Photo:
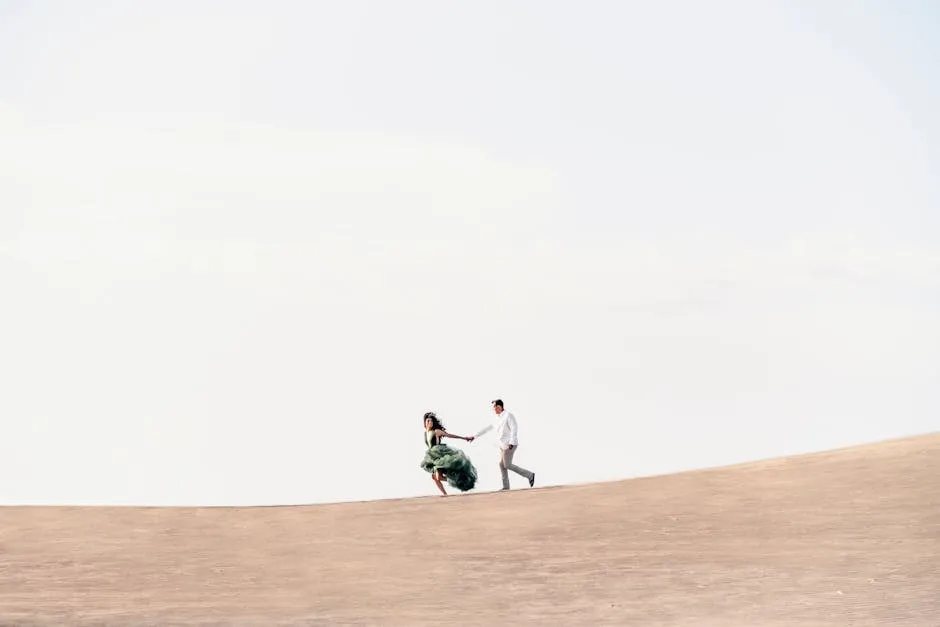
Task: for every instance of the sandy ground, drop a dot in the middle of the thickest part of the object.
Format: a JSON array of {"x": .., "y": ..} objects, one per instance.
[{"x": 848, "y": 537}]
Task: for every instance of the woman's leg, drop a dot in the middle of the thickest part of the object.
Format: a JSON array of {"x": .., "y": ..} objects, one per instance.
[{"x": 436, "y": 475}]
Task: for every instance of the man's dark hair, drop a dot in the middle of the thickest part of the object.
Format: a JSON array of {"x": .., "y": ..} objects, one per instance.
[{"x": 498, "y": 403}]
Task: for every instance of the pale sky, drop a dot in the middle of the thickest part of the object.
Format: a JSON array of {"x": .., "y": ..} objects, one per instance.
[{"x": 244, "y": 246}]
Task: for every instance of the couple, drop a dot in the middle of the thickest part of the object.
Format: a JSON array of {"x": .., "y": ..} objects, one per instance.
[{"x": 453, "y": 465}]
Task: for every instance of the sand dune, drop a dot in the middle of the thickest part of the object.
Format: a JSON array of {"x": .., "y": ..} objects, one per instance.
[{"x": 847, "y": 537}]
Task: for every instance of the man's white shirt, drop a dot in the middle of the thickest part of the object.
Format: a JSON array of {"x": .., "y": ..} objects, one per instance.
[{"x": 507, "y": 431}]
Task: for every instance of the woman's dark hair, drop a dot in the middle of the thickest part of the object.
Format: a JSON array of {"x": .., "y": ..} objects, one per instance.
[{"x": 435, "y": 423}]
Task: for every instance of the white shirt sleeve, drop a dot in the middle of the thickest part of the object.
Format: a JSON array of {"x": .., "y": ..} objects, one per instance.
[
  {"x": 513, "y": 431},
  {"x": 484, "y": 430}
]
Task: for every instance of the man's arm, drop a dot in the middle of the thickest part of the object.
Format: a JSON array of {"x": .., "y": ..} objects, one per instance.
[
  {"x": 484, "y": 430},
  {"x": 513, "y": 430}
]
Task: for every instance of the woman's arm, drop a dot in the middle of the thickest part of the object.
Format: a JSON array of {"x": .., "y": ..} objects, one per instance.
[{"x": 444, "y": 434}]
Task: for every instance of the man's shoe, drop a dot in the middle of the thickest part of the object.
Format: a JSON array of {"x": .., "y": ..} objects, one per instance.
[{"x": 532, "y": 480}]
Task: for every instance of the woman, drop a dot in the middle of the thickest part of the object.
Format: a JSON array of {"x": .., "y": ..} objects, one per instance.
[{"x": 444, "y": 462}]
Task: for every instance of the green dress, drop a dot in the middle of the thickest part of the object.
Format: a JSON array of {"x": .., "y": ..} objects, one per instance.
[{"x": 452, "y": 462}]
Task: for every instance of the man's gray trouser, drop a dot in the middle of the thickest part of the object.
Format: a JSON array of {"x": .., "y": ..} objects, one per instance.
[{"x": 505, "y": 465}]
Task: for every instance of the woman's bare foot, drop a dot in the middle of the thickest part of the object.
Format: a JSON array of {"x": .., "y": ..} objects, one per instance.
[{"x": 436, "y": 477}]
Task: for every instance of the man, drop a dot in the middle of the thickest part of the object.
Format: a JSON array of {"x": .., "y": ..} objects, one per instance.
[{"x": 507, "y": 439}]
